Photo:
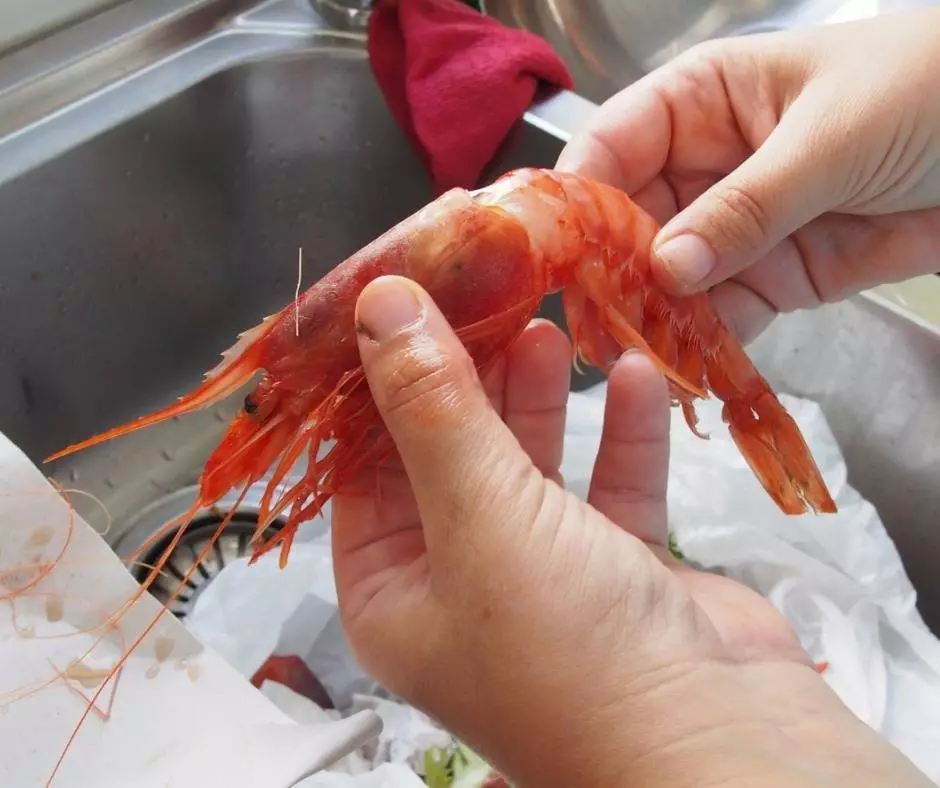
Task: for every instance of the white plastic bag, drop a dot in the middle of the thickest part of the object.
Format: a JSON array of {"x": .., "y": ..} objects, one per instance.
[
  {"x": 838, "y": 579},
  {"x": 248, "y": 613}
]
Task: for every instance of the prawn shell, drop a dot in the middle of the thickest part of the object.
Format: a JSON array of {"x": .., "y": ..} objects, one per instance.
[{"x": 474, "y": 261}]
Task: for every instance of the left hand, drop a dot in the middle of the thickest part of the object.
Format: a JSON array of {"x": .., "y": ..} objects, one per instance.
[
  {"x": 474, "y": 586},
  {"x": 788, "y": 169}
]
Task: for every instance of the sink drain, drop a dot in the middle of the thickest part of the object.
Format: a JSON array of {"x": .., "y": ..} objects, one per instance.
[{"x": 234, "y": 543}]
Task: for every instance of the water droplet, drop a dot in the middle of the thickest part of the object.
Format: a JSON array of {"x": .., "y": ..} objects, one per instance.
[
  {"x": 165, "y": 453},
  {"x": 153, "y": 671},
  {"x": 73, "y": 474},
  {"x": 192, "y": 671},
  {"x": 54, "y": 606},
  {"x": 86, "y": 676},
  {"x": 109, "y": 482},
  {"x": 163, "y": 648},
  {"x": 40, "y": 537}
]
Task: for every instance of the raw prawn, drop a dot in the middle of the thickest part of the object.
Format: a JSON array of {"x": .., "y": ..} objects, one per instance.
[{"x": 487, "y": 258}]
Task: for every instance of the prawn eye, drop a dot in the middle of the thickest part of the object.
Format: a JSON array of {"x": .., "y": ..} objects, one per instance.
[{"x": 250, "y": 405}]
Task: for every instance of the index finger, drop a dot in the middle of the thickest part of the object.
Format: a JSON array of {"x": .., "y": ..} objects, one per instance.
[{"x": 627, "y": 142}]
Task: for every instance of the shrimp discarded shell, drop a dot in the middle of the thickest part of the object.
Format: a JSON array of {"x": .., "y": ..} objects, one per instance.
[{"x": 488, "y": 258}]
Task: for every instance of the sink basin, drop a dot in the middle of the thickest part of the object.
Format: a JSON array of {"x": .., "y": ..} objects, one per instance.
[{"x": 160, "y": 166}]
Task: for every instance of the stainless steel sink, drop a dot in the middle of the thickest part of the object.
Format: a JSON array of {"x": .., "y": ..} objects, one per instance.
[
  {"x": 610, "y": 43},
  {"x": 160, "y": 165}
]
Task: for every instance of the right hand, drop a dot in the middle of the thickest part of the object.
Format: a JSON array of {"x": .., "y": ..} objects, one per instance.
[
  {"x": 558, "y": 638},
  {"x": 789, "y": 169}
]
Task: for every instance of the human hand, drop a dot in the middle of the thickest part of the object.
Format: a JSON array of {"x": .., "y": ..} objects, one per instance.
[
  {"x": 789, "y": 169},
  {"x": 560, "y": 640}
]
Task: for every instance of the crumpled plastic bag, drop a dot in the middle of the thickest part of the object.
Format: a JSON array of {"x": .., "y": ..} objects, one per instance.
[
  {"x": 838, "y": 579},
  {"x": 393, "y": 760}
]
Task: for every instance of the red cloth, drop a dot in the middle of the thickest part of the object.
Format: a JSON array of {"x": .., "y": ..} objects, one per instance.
[{"x": 456, "y": 80}]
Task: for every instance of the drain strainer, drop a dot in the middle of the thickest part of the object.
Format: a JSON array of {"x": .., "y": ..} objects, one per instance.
[{"x": 234, "y": 543}]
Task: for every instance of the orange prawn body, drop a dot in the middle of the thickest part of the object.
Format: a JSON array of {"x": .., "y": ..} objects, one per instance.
[{"x": 487, "y": 258}]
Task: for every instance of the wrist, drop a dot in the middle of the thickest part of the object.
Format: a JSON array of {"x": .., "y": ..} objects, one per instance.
[{"x": 716, "y": 725}]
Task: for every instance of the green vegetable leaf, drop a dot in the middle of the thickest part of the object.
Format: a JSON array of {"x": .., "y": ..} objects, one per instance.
[
  {"x": 674, "y": 548},
  {"x": 470, "y": 770},
  {"x": 437, "y": 773},
  {"x": 461, "y": 769}
]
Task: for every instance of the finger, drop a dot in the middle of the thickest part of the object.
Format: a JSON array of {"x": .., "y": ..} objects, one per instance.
[
  {"x": 538, "y": 379},
  {"x": 742, "y": 308},
  {"x": 658, "y": 199},
  {"x": 463, "y": 463},
  {"x": 828, "y": 259},
  {"x": 627, "y": 141},
  {"x": 629, "y": 480},
  {"x": 494, "y": 384},
  {"x": 786, "y": 183},
  {"x": 376, "y": 535}
]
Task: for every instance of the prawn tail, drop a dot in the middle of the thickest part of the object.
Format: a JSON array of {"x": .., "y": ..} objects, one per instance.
[
  {"x": 238, "y": 366},
  {"x": 765, "y": 433}
]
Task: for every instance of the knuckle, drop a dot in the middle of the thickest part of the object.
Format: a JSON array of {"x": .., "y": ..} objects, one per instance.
[
  {"x": 704, "y": 53},
  {"x": 742, "y": 217},
  {"x": 711, "y": 56},
  {"x": 626, "y": 495},
  {"x": 426, "y": 385}
]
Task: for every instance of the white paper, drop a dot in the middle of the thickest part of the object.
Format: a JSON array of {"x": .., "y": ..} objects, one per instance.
[{"x": 177, "y": 715}]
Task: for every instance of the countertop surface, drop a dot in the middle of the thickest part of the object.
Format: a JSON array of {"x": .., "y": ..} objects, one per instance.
[{"x": 919, "y": 296}]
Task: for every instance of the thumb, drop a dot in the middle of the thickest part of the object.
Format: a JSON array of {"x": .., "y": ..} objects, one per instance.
[
  {"x": 465, "y": 466},
  {"x": 786, "y": 183}
]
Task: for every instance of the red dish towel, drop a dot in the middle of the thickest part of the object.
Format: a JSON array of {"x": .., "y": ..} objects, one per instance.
[{"x": 456, "y": 80}]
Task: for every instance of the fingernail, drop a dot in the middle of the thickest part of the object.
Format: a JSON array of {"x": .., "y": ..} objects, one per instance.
[
  {"x": 386, "y": 307},
  {"x": 688, "y": 258}
]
